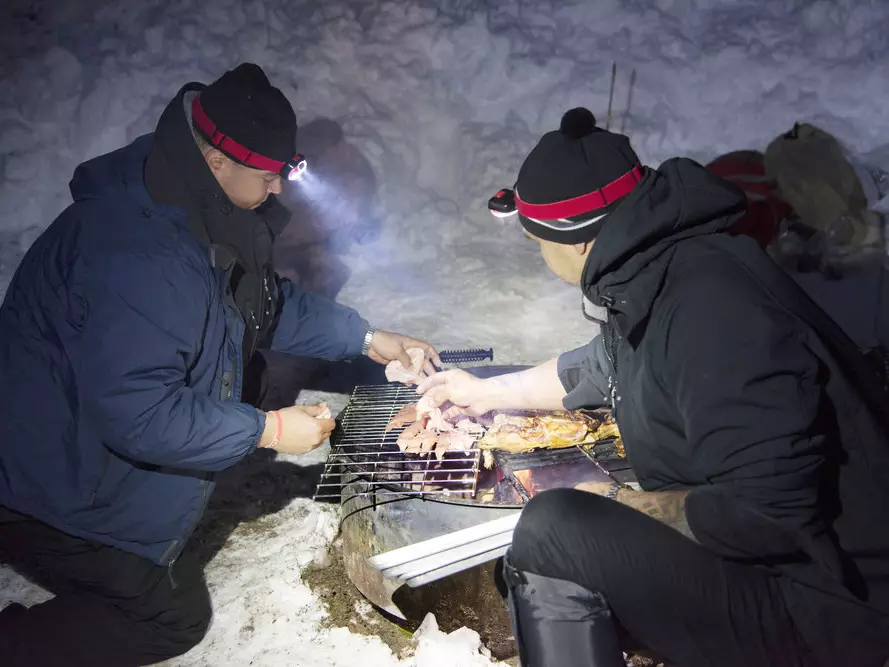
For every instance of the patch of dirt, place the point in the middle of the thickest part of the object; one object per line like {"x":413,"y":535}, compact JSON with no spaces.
{"x":468,"y":599}
{"x":347,"y":608}
{"x":464,"y":601}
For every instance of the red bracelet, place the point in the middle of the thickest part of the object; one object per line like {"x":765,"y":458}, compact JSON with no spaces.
{"x":278,"y":425}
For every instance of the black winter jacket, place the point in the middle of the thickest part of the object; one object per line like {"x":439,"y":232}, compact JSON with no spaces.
{"x":727,"y":380}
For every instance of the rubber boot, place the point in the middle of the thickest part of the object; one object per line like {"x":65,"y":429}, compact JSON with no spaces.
{"x":558,"y":623}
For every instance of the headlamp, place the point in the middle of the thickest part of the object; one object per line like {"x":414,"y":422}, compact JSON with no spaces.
{"x":294,"y":168}
{"x":503,"y":204}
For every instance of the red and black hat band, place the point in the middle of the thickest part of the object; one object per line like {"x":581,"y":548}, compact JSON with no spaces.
{"x":228,"y":145}
{"x":583,"y":205}
{"x":579,"y":219}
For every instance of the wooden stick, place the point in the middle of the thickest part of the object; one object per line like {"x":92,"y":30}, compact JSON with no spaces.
{"x":611,"y":94}
{"x":623,"y":124}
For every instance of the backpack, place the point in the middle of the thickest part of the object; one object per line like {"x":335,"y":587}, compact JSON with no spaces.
{"x":765,"y":207}
{"x":816,"y":178}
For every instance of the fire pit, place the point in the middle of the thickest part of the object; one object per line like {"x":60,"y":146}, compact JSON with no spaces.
{"x":393,"y":499}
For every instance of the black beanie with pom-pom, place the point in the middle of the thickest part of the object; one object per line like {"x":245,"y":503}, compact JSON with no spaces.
{"x":573,"y":177}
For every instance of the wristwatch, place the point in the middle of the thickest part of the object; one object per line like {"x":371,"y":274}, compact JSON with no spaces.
{"x":368,"y":339}
{"x":612,"y":492}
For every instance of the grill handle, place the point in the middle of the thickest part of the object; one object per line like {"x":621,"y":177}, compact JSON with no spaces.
{"x":466,"y":356}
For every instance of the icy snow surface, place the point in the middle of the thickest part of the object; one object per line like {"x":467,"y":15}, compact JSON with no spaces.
{"x":438,"y":103}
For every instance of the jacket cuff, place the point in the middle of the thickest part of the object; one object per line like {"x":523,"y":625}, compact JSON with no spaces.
{"x":356,"y":344}
{"x":570,"y":366}
{"x":261,"y":417}
{"x":582,"y":378}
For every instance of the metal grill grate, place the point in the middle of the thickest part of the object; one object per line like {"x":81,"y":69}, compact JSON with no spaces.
{"x":363,"y":451}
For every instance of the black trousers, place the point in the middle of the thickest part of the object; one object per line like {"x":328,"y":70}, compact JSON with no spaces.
{"x":111,"y":607}
{"x":116,"y":609}
{"x":670,"y":595}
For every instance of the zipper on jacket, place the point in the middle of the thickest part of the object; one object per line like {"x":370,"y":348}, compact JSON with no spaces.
{"x":175,"y":543}
{"x":264,"y":309}
{"x":170,"y":570}
{"x":609,"y":344}
{"x":227,"y":388}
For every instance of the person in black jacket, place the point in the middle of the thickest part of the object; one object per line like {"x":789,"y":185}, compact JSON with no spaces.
{"x":756,"y":429}
{"x":124,"y":338}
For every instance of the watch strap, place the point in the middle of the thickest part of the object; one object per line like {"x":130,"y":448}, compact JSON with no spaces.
{"x":368,"y":339}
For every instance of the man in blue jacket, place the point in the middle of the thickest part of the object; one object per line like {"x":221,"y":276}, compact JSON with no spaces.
{"x":123,"y":339}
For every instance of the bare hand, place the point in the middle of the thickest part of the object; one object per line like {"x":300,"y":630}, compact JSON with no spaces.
{"x":301,"y":430}
{"x":470,"y":396}
{"x":387,"y":346}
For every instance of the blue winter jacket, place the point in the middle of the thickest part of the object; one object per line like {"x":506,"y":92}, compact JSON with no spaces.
{"x":121,"y":366}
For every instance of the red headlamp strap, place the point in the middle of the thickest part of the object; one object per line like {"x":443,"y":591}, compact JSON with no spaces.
{"x":583,"y":204}
{"x":228,"y":145}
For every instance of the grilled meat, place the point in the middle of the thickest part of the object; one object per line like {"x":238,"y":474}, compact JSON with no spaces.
{"x":514,"y":434}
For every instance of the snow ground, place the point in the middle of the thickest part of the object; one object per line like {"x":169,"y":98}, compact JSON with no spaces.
{"x":441,"y":100}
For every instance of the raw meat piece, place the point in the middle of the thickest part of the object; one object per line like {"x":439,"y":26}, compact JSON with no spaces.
{"x":407,"y":415}
{"x":457,"y":441}
{"x":443,"y":444}
{"x":396,"y":372}
{"x":417,"y":438}
{"x":437,"y":421}
{"x":429,"y":440}
{"x":423,"y":406}
{"x":459,"y":437}
{"x":431,"y":431}
{"x":424,"y":443}
{"x":407,"y":437}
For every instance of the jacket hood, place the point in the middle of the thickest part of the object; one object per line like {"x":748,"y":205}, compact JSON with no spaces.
{"x":679,"y":200}
{"x":116,"y":174}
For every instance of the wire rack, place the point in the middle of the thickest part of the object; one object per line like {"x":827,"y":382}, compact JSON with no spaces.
{"x":362,"y":451}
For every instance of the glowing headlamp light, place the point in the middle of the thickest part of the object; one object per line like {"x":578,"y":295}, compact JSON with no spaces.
{"x":294,"y":168}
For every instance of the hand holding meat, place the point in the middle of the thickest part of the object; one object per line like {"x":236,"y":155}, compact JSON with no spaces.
{"x":386,"y":347}
{"x":411,"y":375}
{"x":302,"y":429}
{"x":469,"y":395}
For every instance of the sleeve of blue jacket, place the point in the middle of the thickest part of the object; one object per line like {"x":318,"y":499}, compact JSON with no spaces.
{"x":140,"y":337}
{"x":311,"y":325}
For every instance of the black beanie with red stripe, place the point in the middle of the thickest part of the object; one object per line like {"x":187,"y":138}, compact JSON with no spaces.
{"x":573,"y":177}
{"x":246,"y":107}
